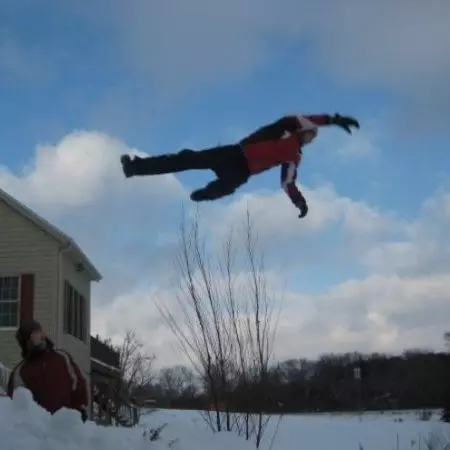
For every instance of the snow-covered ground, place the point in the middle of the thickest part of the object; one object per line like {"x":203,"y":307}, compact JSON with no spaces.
{"x":25,"y":426}
{"x":393,"y":430}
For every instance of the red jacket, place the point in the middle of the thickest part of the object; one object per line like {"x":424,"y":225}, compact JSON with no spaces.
{"x":279,"y":144}
{"x":54,"y":379}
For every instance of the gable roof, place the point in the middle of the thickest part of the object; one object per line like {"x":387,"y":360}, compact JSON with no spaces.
{"x":50,"y":229}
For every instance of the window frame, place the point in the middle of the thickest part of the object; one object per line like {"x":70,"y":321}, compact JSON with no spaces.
{"x":19,"y":298}
{"x":74,"y":313}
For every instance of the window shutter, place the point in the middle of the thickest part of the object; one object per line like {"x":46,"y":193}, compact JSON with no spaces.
{"x":26,"y":297}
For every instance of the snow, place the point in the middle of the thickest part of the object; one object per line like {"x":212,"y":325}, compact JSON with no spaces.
{"x":396,"y":430}
{"x":371,"y":432}
{"x":25,"y":425}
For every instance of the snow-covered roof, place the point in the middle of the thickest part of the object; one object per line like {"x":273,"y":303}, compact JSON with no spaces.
{"x":53,"y":231}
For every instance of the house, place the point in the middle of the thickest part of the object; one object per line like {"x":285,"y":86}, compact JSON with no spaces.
{"x":45,"y":276}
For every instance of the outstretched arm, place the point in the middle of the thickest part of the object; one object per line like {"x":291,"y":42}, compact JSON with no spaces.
{"x":288,"y":183}
{"x":318,"y":119}
{"x":291,"y":124}
{"x":273,"y":131}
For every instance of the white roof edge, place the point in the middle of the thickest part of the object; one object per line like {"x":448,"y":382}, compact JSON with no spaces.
{"x":115,"y":369}
{"x":53,"y":231}
{"x":91,"y":269}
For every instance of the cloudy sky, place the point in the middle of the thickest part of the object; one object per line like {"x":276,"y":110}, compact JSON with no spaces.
{"x":368,"y":269}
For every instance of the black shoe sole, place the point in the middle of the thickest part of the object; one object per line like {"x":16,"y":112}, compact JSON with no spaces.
{"x":126,"y":162}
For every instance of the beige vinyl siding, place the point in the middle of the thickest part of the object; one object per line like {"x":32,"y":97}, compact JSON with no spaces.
{"x":24,"y":248}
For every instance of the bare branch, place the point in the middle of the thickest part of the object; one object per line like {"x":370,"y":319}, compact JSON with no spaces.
{"x":222,"y":320}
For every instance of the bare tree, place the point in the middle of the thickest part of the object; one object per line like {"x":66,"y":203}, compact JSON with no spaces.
{"x":223,"y":321}
{"x":136,"y":369}
{"x":177,"y":382}
{"x":136,"y":365}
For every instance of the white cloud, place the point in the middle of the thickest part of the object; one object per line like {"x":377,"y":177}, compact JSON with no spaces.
{"x":379,"y":313}
{"x":425,"y":247}
{"x":386,"y":312}
{"x":78,"y":185}
{"x":396,"y":45}
{"x":360,"y":147}
{"x":203,"y":41}
{"x":136,"y":310}
{"x":81,"y":170}
{"x":277,"y":217}
{"x":400,"y":45}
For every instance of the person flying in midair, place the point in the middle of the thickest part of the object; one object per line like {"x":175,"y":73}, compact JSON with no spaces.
{"x":277,"y":144}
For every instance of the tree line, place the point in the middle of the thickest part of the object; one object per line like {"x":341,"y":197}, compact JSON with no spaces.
{"x":413,"y":380}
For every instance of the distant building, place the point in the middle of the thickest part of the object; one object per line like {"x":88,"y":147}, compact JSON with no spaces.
{"x":105,"y":378}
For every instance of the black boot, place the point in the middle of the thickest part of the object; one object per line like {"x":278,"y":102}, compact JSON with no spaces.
{"x":141,"y":166}
{"x":127,"y":165}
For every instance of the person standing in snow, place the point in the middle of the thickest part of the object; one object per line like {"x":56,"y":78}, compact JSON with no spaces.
{"x":50,"y":374}
{"x":277,"y":144}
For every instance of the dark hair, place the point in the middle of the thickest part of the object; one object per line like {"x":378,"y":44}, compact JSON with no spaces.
{"x":24,"y":332}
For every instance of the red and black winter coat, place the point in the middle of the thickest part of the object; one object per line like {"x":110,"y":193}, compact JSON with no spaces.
{"x":53,"y":378}
{"x":280,"y":144}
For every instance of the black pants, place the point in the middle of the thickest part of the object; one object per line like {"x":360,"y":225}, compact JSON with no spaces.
{"x":227,"y":162}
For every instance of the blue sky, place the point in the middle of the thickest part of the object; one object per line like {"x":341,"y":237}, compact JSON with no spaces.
{"x":161,"y":76}
{"x":82,"y":83}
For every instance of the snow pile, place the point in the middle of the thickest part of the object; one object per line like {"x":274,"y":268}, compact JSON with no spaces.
{"x":25,"y":425}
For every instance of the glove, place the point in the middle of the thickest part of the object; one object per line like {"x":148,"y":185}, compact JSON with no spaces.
{"x":303,"y":207}
{"x":344,"y":122}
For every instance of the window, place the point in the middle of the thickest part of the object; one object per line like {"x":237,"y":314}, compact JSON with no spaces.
{"x":9,"y":302}
{"x":74,"y":313}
